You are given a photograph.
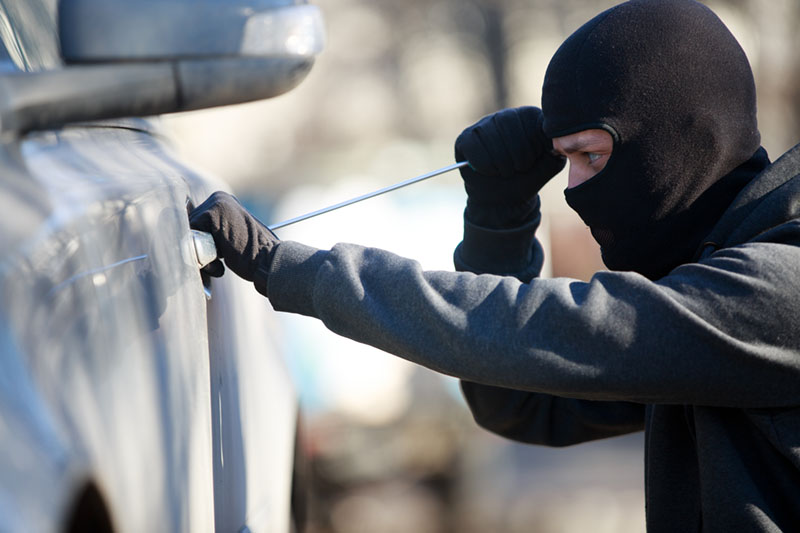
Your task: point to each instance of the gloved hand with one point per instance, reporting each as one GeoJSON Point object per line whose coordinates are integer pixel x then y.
{"type": "Point", "coordinates": [244, 243]}
{"type": "Point", "coordinates": [510, 159]}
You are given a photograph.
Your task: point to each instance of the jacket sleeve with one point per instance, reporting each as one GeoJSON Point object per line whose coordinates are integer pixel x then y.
{"type": "Point", "coordinates": [539, 418]}
{"type": "Point", "coordinates": [532, 417]}
{"type": "Point", "coordinates": [724, 331]}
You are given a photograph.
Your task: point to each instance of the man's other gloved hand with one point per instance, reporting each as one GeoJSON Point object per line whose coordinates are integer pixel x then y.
{"type": "Point", "coordinates": [510, 159]}
{"type": "Point", "coordinates": [244, 243]}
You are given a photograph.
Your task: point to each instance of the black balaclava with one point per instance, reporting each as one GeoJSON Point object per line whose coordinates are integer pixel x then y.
{"type": "Point", "coordinates": [672, 86]}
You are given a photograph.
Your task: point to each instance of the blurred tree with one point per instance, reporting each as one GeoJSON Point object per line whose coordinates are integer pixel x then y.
{"type": "Point", "coordinates": [496, 48]}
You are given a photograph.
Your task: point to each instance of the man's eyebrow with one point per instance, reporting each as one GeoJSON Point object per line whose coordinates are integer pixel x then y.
{"type": "Point", "coordinates": [570, 147]}
{"type": "Point", "coordinates": [577, 145]}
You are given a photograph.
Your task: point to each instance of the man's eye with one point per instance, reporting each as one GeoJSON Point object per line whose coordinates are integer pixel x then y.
{"type": "Point", "coordinates": [593, 157]}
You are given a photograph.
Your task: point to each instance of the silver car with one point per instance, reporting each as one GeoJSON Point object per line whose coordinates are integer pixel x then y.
{"type": "Point", "coordinates": [135, 393]}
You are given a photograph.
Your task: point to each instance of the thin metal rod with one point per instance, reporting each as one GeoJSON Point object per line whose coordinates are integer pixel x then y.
{"type": "Point", "coordinates": [352, 201]}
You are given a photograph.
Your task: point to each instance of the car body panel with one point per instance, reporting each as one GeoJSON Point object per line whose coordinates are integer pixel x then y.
{"type": "Point", "coordinates": [111, 318]}
{"type": "Point", "coordinates": [107, 321]}
{"type": "Point", "coordinates": [118, 371]}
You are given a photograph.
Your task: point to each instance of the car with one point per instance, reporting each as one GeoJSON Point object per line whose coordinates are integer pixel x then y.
{"type": "Point", "coordinates": [136, 393]}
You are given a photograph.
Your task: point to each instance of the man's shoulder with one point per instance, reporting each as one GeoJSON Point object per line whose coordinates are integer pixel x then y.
{"type": "Point", "coordinates": [774, 177]}
{"type": "Point", "coordinates": [776, 189]}
{"type": "Point", "coordinates": [786, 166]}
{"type": "Point", "coordinates": [768, 201]}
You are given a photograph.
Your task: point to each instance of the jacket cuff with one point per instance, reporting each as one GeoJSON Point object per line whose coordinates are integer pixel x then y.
{"type": "Point", "coordinates": [292, 277]}
{"type": "Point", "coordinates": [260, 277]}
{"type": "Point", "coordinates": [514, 252]}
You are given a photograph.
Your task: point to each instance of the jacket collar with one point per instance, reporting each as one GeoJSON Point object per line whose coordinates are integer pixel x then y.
{"type": "Point", "coordinates": [751, 214]}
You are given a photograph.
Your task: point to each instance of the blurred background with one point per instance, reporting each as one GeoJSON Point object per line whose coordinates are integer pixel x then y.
{"type": "Point", "coordinates": [392, 446]}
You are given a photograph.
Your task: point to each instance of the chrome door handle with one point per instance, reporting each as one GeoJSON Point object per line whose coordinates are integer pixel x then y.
{"type": "Point", "coordinates": [204, 252]}
{"type": "Point", "coordinates": [204, 248]}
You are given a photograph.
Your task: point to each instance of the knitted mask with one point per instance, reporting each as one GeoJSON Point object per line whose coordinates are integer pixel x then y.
{"type": "Point", "coordinates": [674, 89]}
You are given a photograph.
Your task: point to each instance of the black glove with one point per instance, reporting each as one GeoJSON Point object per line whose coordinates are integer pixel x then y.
{"type": "Point", "coordinates": [246, 245]}
{"type": "Point", "coordinates": [510, 159]}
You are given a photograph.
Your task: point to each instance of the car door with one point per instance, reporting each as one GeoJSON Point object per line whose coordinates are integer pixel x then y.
{"type": "Point", "coordinates": [134, 390]}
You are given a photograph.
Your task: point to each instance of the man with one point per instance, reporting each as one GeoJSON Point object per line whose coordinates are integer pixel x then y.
{"type": "Point", "coordinates": [694, 333]}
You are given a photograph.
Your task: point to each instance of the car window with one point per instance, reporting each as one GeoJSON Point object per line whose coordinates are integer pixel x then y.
{"type": "Point", "coordinates": [6, 64]}
{"type": "Point", "coordinates": [29, 34]}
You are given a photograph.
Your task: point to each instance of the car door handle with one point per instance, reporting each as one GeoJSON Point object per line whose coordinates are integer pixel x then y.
{"type": "Point", "coordinates": [205, 252]}
{"type": "Point", "coordinates": [204, 248]}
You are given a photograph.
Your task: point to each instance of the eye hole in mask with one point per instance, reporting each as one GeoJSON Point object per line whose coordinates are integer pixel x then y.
{"type": "Point", "coordinates": [588, 152]}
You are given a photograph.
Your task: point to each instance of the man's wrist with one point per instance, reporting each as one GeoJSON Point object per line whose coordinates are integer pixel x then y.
{"type": "Point", "coordinates": [502, 216]}
{"type": "Point", "coordinates": [513, 251]}
{"type": "Point", "coordinates": [263, 265]}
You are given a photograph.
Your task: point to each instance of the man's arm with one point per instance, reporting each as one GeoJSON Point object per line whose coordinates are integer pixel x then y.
{"type": "Point", "coordinates": [707, 334]}
{"type": "Point", "coordinates": [511, 159]}
{"type": "Point", "coordinates": [531, 417]}
{"type": "Point", "coordinates": [538, 418]}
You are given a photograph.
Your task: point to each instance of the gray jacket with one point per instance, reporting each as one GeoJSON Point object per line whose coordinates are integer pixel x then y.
{"type": "Point", "coordinates": [706, 359]}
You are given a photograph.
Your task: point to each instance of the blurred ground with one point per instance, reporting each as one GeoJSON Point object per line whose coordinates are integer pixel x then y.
{"type": "Point", "coordinates": [393, 447]}
{"type": "Point", "coordinates": [432, 470]}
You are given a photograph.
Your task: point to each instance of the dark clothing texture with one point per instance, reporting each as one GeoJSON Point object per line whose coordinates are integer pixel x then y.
{"type": "Point", "coordinates": [674, 89]}
{"type": "Point", "coordinates": [705, 359]}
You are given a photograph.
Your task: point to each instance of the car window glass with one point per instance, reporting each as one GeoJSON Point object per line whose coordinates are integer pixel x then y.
{"type": "Point", "coordinates": [6, 63]}
{"type": "Point", "coordinates": [28, 33]}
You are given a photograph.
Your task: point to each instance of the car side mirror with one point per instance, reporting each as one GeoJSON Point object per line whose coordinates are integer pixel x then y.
{"type": "Point", "coordinates": [165, 30]}
{"type": "Point", "coordinates": [127, 58]}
